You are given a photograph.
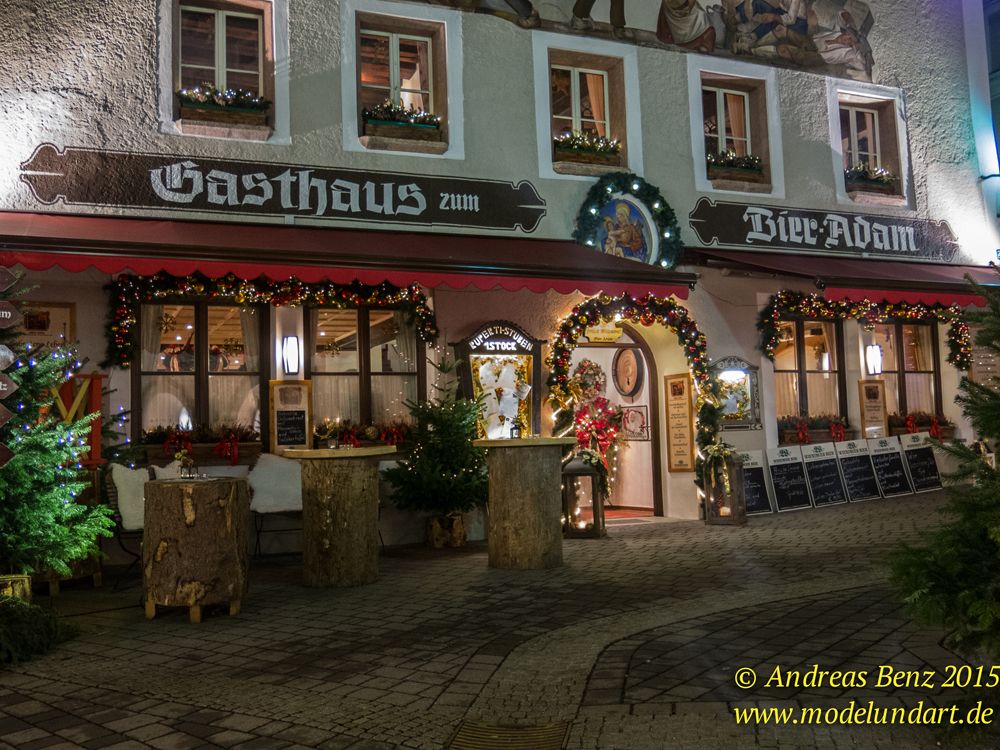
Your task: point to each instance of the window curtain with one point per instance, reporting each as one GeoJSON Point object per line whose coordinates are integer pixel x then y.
{"type": "Point", "coordinates": [389, 392]}
{"type": "Point", "coordinates": [736, 123]}
{"type": "Point", "coordinates": [595, 90]}
{"type": "Point", "coordinates": [150, 317]}
{"type": "Point", "coordinates": [251, 339]}
{"type": "Point", "coordinates": [406, 342]}
{"type": "Point", "coordinates": [787, 394]}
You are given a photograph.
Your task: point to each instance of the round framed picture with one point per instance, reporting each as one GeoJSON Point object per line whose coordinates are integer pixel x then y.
{"type": "Point", "coordinates": [627, 371]}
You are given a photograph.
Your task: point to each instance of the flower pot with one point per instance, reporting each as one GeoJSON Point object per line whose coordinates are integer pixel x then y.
{"type": "Point", "coordinates": [446, 531]}
{"type": "Point", "coordinates": [18, 586]}
{"type": "Point", "coordinates": [737, 174]}
{"type": "Point", "coordinates": [586, 157]}
{"type": "Point", "coordinates": [228, 115]}
{"type": "Point", "coordinates": [410, 131]}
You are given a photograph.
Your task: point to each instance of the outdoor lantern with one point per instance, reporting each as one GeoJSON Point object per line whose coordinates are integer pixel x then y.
{"type": "Point", "coordinates": [290, 355]}
{"type": "Point", "coordinates": [582, 516]}
{"type": "Point", "coordinates": [725, 498]}
{"type": "Point", "coordinates": [873, 359]}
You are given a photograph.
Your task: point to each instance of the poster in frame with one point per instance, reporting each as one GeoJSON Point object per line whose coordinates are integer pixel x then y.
{"type": "Point", "coordinates": [48, 323]}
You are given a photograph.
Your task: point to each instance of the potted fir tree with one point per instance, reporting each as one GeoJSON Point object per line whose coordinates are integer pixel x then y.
{"type": "Point", "coordinates": [445, 474]}
{"type": "Point", "coordinates": [42, 527]}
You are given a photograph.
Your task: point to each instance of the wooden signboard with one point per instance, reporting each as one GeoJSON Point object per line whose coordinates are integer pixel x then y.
{"type": "Point", "coordinates": [887, 458]}
{"type": "Point", "coordinates": [788, 477]}
{"type": "Point", "coordinates": [874, 420]}
{"type": "Point", "coordinates": [985, 364]}
{"type": "Point", "coordinates": [857, 470]}
{"type": "Point", "coordinates": [291, 414]}
{"type": "Point", "coordinates": [755, 489]}
{"type": "Point", "coordinates": [920, 462]}
{"type": "Point", "coordinates": [680, 422]}
{"type": "Point", "coordinates": [823, 472]}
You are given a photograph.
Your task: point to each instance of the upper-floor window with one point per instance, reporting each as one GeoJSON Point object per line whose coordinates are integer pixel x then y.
{"type": "Point", "coordinates": [734, 120]}
{"type": "Point", "coordinates": [727, 121]}
{"type": "Point", "coordinates": [870, 146]}
{"type": "Point", "coordinates": [222, 47]}
{"type": "Point", "coordinates": [586, 112]}
{"type": "Point", "coordinates": [579, 101]}
{"type": "Point", "coordinates": [401, 70]}
{"type": "Point", "coordinates": [397, 68]}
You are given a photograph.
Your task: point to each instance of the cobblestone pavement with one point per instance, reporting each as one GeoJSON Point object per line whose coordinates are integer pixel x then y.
{"type": "Point", "coordinates": [632, 644]}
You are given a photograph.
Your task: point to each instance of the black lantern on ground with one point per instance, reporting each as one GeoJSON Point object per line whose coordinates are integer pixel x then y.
{"type": "Point", "coordinates": [725, 500]}
{"type": "Point", "coordinates": [582, 516]}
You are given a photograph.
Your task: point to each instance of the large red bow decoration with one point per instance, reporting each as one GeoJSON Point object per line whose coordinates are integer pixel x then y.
{"type": "Point", "coordinates": [837, 431]}
{"type": "Point", "coordinates": [228, 447]}
{"type": "Point", "coordinates": [935, 428]}
{"type": "Point", "coordinates": [911, 424]}
{"type": "Point", "coordinates": [802, 428]}
{"type": "Point", "coordinates": [177, 440]}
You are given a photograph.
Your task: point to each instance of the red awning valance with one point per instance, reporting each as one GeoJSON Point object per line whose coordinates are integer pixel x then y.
{"type": "Point", "coordinates": [857, 278]}
{"type": "Point", "coordinates": [250, 250]}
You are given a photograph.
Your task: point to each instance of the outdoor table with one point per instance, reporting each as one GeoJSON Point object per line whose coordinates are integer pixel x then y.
{"type": "Point", "coordinates": [194, 544]}
{"type": "Point", "coordinates": [339, 514]}
{"type": "Point", "coordinates": [525, 530]}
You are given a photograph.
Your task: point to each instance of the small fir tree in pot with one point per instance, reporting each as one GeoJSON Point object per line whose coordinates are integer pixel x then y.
{"type": "Point", "coordinates": [445, 474]}
{"type": "Point", "coordinates": [953, 579]}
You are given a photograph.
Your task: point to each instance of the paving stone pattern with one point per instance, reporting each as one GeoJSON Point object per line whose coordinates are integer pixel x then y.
{"type": "Point", "coordinates": [616, 643]}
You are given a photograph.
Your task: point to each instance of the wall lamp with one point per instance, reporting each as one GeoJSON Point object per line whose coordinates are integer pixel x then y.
{"type": "Point", "coordinates": [290, 355]}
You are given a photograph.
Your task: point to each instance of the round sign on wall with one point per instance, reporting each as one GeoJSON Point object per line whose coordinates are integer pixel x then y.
{"type": "Point", "coordinates": [627, 371]}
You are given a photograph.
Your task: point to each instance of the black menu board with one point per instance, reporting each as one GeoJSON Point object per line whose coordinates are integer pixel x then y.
{"type": "Point", "coordinates": [788, 477]}
{"type": "Point", "coordinates": [758, 499]}
{"type": "Point", "coordinates": [921, 462]}
{"type": "Point", "coordinates": [823, 473]}
{"type": "Point", "coordinates": [887, 458]}
{"type": "Point", "coordinates": [857, 470]}
{"type": "Point", "coordinates": [291, 427]}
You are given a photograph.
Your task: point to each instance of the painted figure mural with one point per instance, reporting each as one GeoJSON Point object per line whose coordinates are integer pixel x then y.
{"type": "Point", "coordinates": [825, 36]}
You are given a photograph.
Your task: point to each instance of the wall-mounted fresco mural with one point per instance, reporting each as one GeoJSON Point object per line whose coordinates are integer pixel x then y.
{"type": "Point", "coordinates": [823, 36]}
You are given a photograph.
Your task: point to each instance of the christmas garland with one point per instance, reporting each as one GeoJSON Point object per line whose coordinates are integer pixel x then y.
{"type": "Point", "coordinates": [789, 304]}
{"type": "Point", "coordinates": [127, 293]}
{"type": "Point", "coordinates": [588, 220]}
{"type": "Point", "coordinates": [646, 310]}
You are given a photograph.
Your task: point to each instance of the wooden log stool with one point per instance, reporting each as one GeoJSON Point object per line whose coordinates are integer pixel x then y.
{"type": "Point", "coordinates": [194, 549]}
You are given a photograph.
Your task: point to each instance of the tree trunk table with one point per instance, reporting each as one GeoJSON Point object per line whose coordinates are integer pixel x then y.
{"type": "Point", "coordinates": [194, 544]}
{"type": "Point", "coordinates": [525, 528]}
{"type": "Point", "coordinates": [339, 514]}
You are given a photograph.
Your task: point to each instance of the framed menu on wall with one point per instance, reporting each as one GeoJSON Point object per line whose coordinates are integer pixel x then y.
{"type": "Point", "coordinates": [680, 422]}
{"type": "Point", "coordinates": [874, 420]}
{"type": "Point", "coordinates": [290, 414]}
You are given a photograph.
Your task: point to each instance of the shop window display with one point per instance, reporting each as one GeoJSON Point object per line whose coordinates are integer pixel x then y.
{"type": "Point", "coordinates": [807, 370]}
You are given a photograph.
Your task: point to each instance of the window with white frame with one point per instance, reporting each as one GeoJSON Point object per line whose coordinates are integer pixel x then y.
{"type": "Point", "coordinates": [859, 134]}
{"type": "Point", "coordinates": [224, 47]}
{"type": "Point", "coordinates": [579, 101]}
{"type": "Point", "coordinates": [396, 67]}
{"type": "Point", "coordinates": [726, 115]}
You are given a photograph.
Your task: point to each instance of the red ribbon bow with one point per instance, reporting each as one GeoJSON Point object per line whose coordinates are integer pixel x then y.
{"type": "Point", "coordinates": [228, 447]}
{"type": "Point", "coordinates": [803, 431]}
{"type": "Point", "coordinates": [176, 441]}
{"type": "Point", "coordinates": [837, 431]}
{"type": "Point", "coordinates": [935, 430]}
{"type": "Point", "coordinates": [911, 424]}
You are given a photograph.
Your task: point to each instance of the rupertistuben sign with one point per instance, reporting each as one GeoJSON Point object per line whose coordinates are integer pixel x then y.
{"type": "Point", "coordinates": [91, 177]}
{"type": "Point", "coordinates": [778, 228]}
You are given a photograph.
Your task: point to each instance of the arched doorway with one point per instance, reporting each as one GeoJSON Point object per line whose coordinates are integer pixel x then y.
{"type": "Point", "coordinates": [634, 314]}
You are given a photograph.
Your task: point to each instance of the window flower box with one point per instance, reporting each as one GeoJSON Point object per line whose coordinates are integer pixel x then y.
{"type": "Point", "coordinates": [204, 454]}
{"type": "Point", "coordinates": [736, 174]}
{"type": "Point", "coordinates": [586, 157]}
{"type": "Point", "coordinates": [791, 437]}
{"type": "Point", "coordinates": [226, 115]}
{"type": "Point", "coordinates": [410, 131]}
{"type": "Point", "coordinates": [871, 186]}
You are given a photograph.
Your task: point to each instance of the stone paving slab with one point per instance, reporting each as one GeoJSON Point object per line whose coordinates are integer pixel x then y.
{"type": "Point", "coordinates": [442, 638]}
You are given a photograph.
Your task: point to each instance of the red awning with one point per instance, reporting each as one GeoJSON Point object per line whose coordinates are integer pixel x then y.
{"type": "Point", "coordinates": [857, 278]}
{"type": "Point", "coordinates": [250, 250]}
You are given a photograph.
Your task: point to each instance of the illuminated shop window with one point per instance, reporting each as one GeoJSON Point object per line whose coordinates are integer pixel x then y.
{"type": "Point", "coordinates": [807, 369]}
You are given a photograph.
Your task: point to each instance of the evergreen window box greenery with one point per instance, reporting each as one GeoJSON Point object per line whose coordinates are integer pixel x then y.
{"type": "Point", "coordinates": [587, 148]}
{"type": "Point", "coordinates": [732, 166]}
{"type": "Point", "coordinates": [390, 120]}
{"type": "Point", "coordinates": [863, 178]}
{"type": "Point", "coordinates": [206, 103]}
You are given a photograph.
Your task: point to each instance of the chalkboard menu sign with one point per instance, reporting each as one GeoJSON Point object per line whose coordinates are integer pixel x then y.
{"type": "Point", "coordinates": [755, 483]}
{"type": "Point", "coordinates": [823, 472]}
{"type": "Point", "coordinates": [788, 477]}
{"type": "Point", "coordinates": [920, 462]}
{"type": "Point", "coordinates": [887, 458]}
{"type": "Point", "coordinates": [857, 470]}
{"type": "Point", "coordinates": [290, 414]}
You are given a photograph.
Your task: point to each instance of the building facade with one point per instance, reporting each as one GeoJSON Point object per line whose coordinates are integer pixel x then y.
{"type": "Point", "coordinates": [715, 162]}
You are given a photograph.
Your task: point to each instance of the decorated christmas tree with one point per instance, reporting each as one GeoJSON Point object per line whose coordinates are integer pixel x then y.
{"type": "Point", "coordinates": [953, 579]}
{"type": "Point", "coordinates": [41, 525]}
{"type": "Point", "coordinates": [445, 472]}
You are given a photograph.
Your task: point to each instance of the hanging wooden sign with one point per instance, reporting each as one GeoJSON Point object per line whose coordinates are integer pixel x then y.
{"type": "Point", "coordinates": [6, 454]}
{"type": "Point", "coordinates": [7, 386]}
{"type": "Point", "coordinates": [5, 415]}
{"type": "Point", "coordinates": [10, 315]}
{"type": "Point", "coordinates": [874, 419]}
{"type": "Point", "coordinates": [94, 177]}
{"type": "Point", "coordinates": [680, 422]}
{"type": "Point", "coordinates": [7, 278]}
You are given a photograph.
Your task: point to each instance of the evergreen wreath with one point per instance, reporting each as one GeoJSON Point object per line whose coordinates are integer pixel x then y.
{"type": "Point", "coordinates": [588, 220]}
